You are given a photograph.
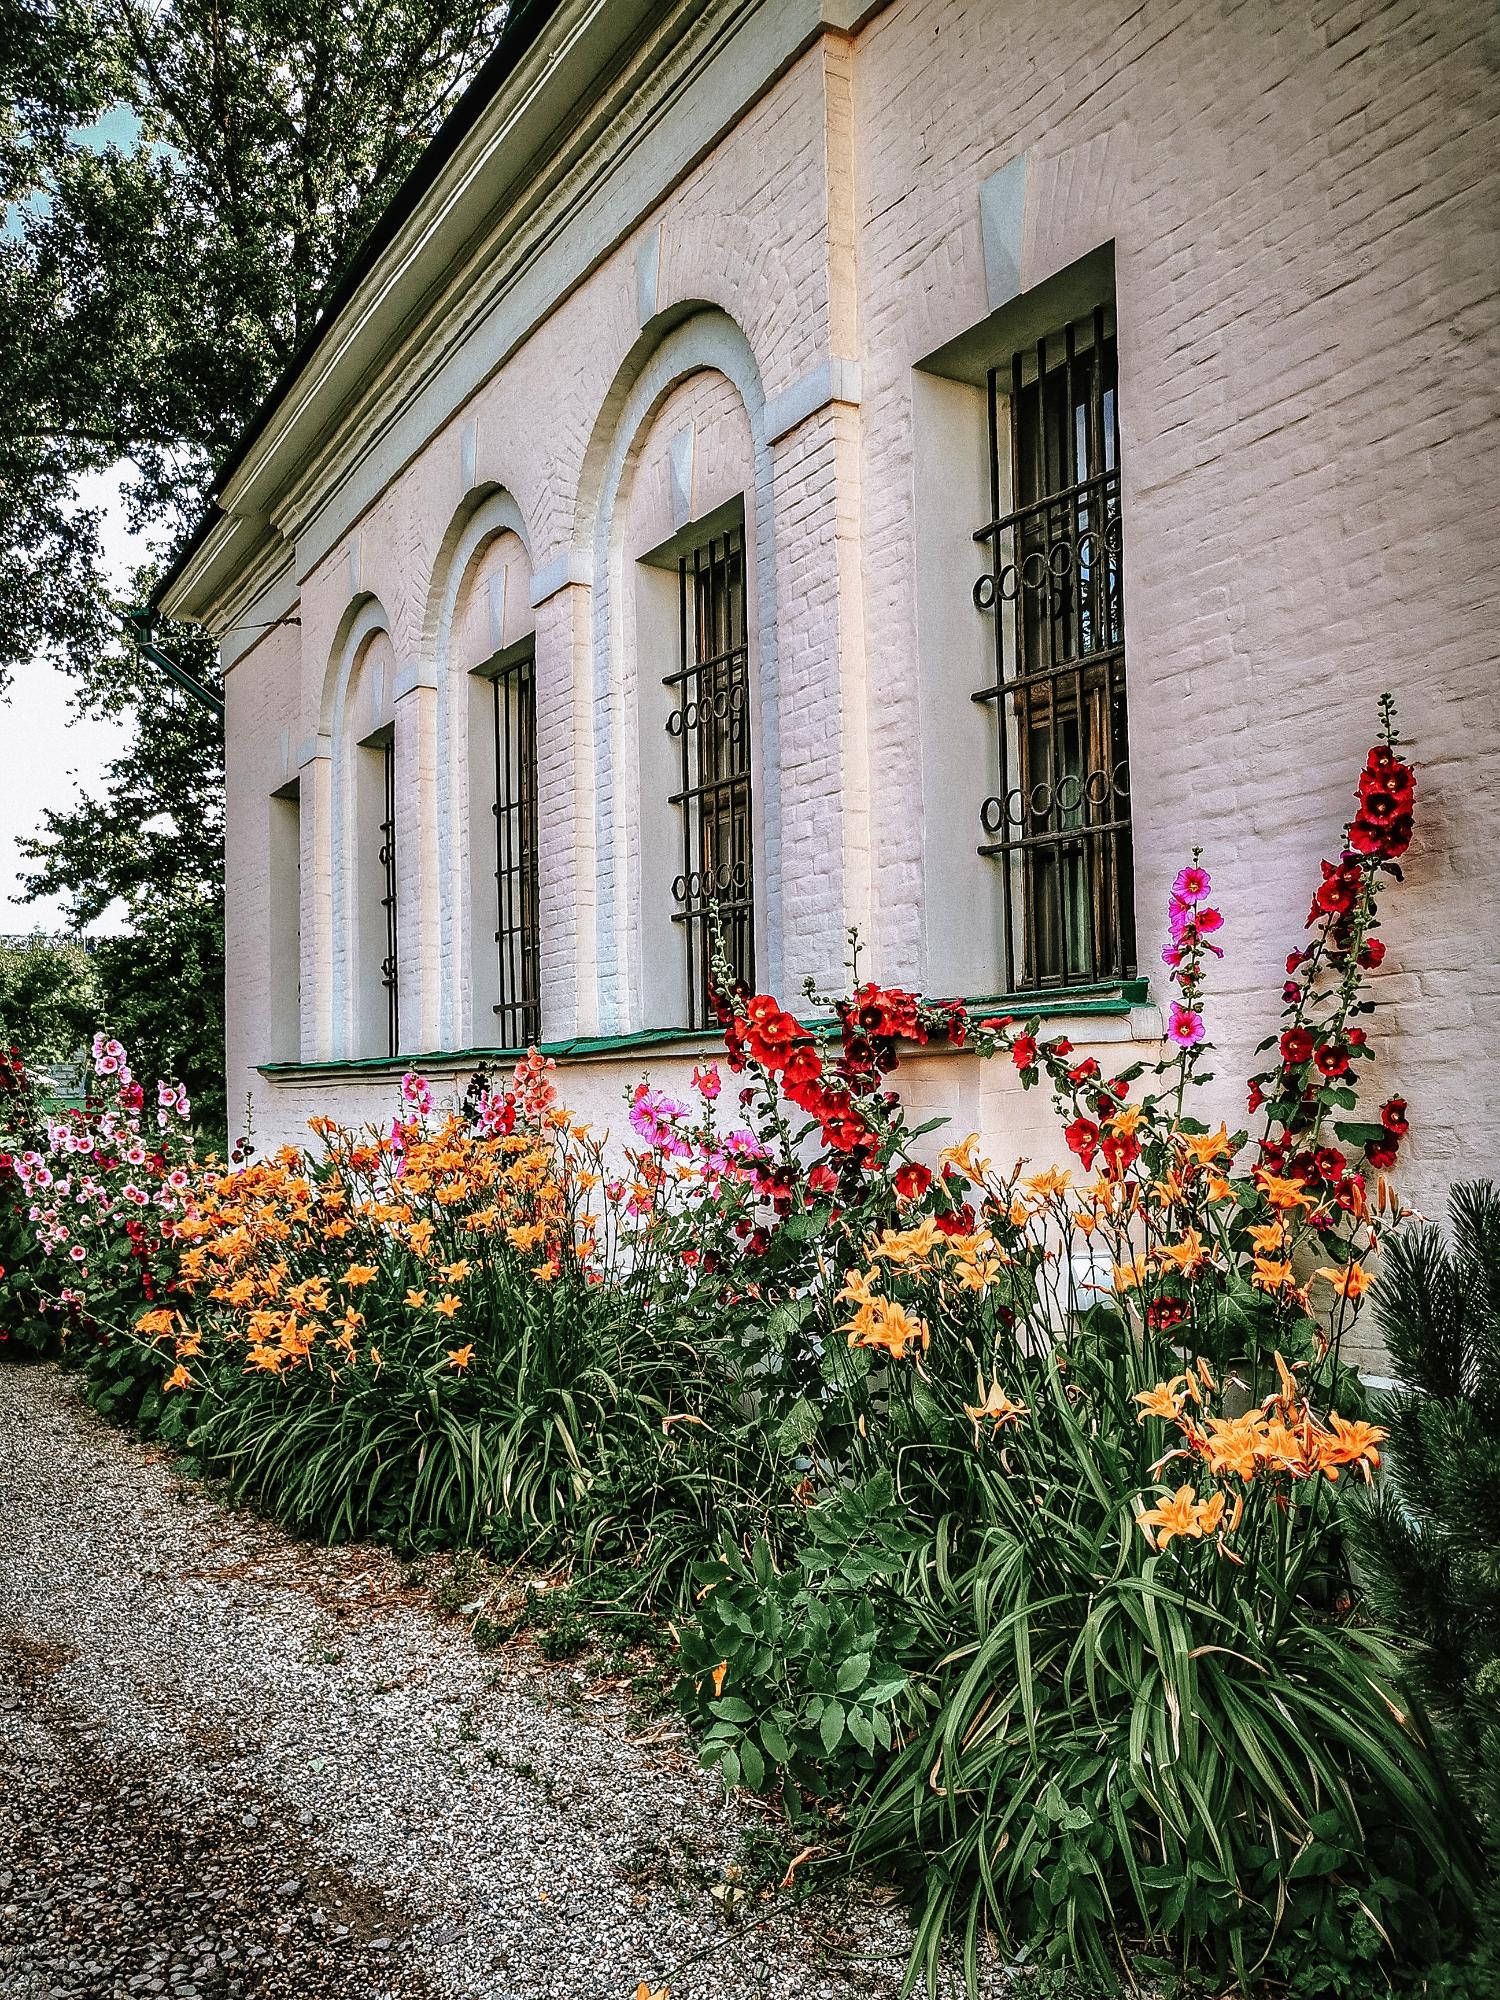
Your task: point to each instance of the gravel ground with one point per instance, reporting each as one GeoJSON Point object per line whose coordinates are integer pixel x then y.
{"type": "Point", "coordinates": [235, 1765]}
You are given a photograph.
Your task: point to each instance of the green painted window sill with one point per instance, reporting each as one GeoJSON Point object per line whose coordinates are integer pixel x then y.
{"type": "Point", "coordinates": [1116, 999]}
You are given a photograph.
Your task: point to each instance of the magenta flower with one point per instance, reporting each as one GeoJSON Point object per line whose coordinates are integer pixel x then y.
{"type": "Point", "coordinates": [657, 1117]}
{"type": "Point", "coordinates": [1185, 1026]}
{"type": "Point", "coordinates": [1192, 884]}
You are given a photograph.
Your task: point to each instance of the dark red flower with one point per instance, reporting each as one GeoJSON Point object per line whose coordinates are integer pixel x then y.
{"type": "Point", "coordinates": [1164, 1313]}
{"type": "Point", "coordinates": [1332, 1060]}
{"type": "Point", "coordinates": [1297, 1045]}
{"type": "Point", "coordinates": [957, 1222]}
{"type": "Point", "coordinates": [1082, 1138]}
{"type": "Point", "coordinates": [1393, 1117]}
{"type": "Point", "coordinates": [1371, 953]}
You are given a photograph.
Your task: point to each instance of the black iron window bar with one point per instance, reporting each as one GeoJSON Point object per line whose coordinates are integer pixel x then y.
{"type": "Point", "coordinates": [518, 1012]}
{"type": "Point", "coordinates": [711, 722]}
{"type": "Point", "coordinates": [388, 965]}
{"type": "Point", "coordinates": [1059, 828]}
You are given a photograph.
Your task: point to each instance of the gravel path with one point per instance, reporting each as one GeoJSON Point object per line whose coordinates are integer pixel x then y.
{"type": "Point", "coordinates": [234, 1765]}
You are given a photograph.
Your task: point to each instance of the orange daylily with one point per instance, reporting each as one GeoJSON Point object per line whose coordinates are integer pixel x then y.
{"type": "Point", "coordinates": [1352, 1282]}
{"type": "Point", "coordinates": [885, 1324]}
{"type": "Point", "coordinates": [998, 1407]}
{"type": "Point", "coordinates": [1182, 1515]}
{"type": "Point", "coordinates": [359, 1274]}
{"type": "Point", "coordinates": [447, 1305]}
{"type": "Point", "coordinates": [460, 1357]}
{"type": "Point", "coordinates": [1165, 1400]}
{"type": "Point", "coordinates": [1351, 1442]}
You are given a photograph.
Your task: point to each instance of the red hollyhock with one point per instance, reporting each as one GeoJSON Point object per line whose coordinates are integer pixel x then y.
{"type": "Point", "coordinates": [1162, 1314]}
{"type": "Point", "coordinates": [1082, 1138]}
{"type": "Point", "coordinates": [957, 1222]}
{"type": "Point", "coordinates": [1297, 1045]}
{"type": "Point", "coordinates": [911, 1181]}
{"type": "Point", "coordinates": [1393, 1117]}
{"type": "Point", "coordinates": [1023, 1051]}
{"type": "Point", "coordinates": [1121, 1150]}
{"type": "Point", "coordinates": [1332, 1060]}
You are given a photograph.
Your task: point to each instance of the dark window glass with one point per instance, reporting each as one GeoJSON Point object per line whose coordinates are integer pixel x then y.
{"type": "Point", "coordinates": [1059, 828]}
{"type": "Point", "coordinates": [388, 965]}
{"type": "Point", "coordinates": [518, 1014]}
{"type": "Point", "coordinates": [712, 725]}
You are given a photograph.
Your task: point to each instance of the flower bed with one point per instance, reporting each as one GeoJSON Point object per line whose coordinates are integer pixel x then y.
{"type": "Point", "coordinates": [1000, 1511]}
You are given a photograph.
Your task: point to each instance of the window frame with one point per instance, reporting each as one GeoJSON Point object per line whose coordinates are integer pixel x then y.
{"type": "Point", "coordinates": [1054, 589]}
{"type": "Point", "coordinates": [517, 873]}
{"type": "Point", "coordinates": [714, 764]}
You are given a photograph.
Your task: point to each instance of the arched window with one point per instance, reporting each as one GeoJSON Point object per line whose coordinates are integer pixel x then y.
{"type": "Point", "coordinates": [483, 638]}
{"type": "Point", "coordinates": [713, 894]}
{"type": "Point", "coordinates": [518, 1007]}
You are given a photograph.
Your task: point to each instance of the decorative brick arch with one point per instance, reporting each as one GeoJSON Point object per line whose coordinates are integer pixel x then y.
{"type": "Point", "coordinates": [334, 930]}
{"type": "Point", "coordinates": [486, 513]}
{"type": "Point", "coordinates": [708, 340]}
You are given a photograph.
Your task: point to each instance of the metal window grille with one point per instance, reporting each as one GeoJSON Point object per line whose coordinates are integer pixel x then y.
{"type": "Point", "coordinates": [712, 725]}
{"type": "Point", "coordinates": [388, 966]}
{"type": "Point", "coordinates": [518, 1013]}
{"type": "Point", "coordinates": [1059, 828]}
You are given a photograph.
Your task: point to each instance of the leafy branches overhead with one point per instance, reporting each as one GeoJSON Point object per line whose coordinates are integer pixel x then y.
{"type": "Point", "coordinates": [155, 283]}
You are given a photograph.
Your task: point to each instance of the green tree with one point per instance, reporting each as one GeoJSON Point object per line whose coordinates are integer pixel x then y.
{"type": "Point", "coordinates": [1429, 1539]}
{"type": "Point", "coordinates": [151, 291]}
{"type": "Point", "coordinates": [47, 996]}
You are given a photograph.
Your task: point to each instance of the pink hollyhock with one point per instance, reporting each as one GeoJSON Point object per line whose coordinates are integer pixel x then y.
{"type": "Point", "coordinates": [1192, 884]}
{"type": "Point", "coordinates": [706, 1081]}
{"type": "Point", "coordinates": [1185, 1026]}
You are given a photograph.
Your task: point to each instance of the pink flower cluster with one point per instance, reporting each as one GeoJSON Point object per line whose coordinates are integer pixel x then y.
{"type": "Point", "coordinates": [99, 1170]}
{"type": "Point", "coordinates": [1191, 920]}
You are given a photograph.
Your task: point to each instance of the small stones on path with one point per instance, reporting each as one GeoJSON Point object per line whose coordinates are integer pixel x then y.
{"type": "Point", "coordinates": [237, 1767]}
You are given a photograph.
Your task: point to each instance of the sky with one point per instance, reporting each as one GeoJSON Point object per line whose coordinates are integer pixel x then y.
{"type": "Point", "coordinates": [51, 757]}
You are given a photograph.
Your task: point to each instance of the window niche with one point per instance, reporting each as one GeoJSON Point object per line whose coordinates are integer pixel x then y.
{"type": "Point", "coordinates": [495, 647]}
{"type": "Point", "coordinates": [505, 888]}
{"type": "Point", "coordinates": [687, 658]}
{"type": "Point", "coordinates": [696, 749]}
{"type": "Point", "coordinates": [377, 921]}
{"type": "Point", "coordinates": [284, 921]}
{"type": "Point", "coordinates": [1017, 422]}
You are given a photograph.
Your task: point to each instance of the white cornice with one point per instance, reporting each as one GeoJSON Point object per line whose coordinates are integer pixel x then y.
{"type": "Point", "coordinates": [513, 223]}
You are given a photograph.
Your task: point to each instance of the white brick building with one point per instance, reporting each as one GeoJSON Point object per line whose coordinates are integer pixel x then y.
{"type": "Point", "coordinates": [673, 361]}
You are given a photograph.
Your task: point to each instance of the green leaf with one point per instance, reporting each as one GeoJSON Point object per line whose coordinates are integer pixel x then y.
{"type": "Point", "coordinates": [831, 1727]}
{"type": "Point", "coordinates": [853, 1672]}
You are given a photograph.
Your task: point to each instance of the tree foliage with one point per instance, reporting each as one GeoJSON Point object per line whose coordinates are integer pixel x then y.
{"type": "Point", "coordinates": [47, 996]}
{"type": "Point", "coordinates": [1430, 1538]}
{"type": "Point", "coordinates": [153, 287]}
